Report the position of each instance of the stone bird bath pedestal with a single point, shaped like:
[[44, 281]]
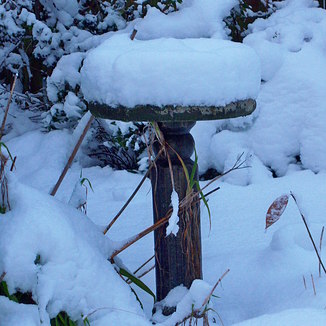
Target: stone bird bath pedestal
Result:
[[173, 83], [177, 257]]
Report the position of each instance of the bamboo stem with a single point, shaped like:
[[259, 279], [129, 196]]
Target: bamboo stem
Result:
[[133, 194], [143, 274], [140, 235], [214, 287], [8, 105], [320, 246], [313, 284], [144, 264], [309, 233], [146, 272], [13, 163], [72, 156]]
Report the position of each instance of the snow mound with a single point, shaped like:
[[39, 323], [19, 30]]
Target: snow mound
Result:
[[289, 129], [291, 317], [60, 256], [195, 19], [170, 72], [15, 314]]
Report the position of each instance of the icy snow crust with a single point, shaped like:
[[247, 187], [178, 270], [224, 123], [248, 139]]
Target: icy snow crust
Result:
[[170, 71]]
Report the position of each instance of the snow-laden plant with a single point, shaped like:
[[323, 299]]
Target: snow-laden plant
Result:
[[243, 14], [118, 144], [79, 195]]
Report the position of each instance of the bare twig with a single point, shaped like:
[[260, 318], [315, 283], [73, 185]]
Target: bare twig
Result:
[[72, 156], [313, 284], [2, 276], [133, 194], [214, 287], [144, 264], [239, 164], [309, 233], [133, 34], [146, 272], [197, 313], [304, 282], [13, 163], [143, 274], [212, 191], [320, 246], [140, 235], [8, 105]]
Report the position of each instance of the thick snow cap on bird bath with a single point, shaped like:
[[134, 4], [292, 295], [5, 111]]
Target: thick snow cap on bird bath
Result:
[[170, 79]]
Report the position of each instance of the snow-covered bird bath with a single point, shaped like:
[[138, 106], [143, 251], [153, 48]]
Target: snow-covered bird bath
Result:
[[173, 83]]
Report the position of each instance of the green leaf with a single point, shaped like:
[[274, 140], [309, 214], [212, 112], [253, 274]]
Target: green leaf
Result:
[[185, 170], [71, 323], [4, 289], [137, 298], [202, 196], [6, 147], [87, 180], [137, 282], [61, 319], [193, 172]]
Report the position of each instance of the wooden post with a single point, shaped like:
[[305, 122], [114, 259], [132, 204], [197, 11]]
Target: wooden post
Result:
[[177, 258]]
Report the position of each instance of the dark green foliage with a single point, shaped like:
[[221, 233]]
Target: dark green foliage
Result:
[[117, 147], [62, 319], [244, 14], [17, 297], [131, 9]]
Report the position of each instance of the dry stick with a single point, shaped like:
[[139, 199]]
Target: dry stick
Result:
[[72, 156], [13, 163], [197, 313], [143, 274], [144, 264], [2, 276], [304, 282], [8, 105], [212, 191], [140, 235], [214, 287], [140, 267], [320, 246], [133, 34], [236, 166], [146, 272], [309, 233], [133, 194], [313, 284]]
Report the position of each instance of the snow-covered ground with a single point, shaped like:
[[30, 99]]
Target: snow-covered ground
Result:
[[60, 255]]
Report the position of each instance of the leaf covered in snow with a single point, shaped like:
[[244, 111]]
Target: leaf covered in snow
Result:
[[276, 210]]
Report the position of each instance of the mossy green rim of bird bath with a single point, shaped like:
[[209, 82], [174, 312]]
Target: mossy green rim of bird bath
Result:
[[173, 112]]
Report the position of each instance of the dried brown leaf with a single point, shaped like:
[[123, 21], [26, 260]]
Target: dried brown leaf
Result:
[[276, 210]]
